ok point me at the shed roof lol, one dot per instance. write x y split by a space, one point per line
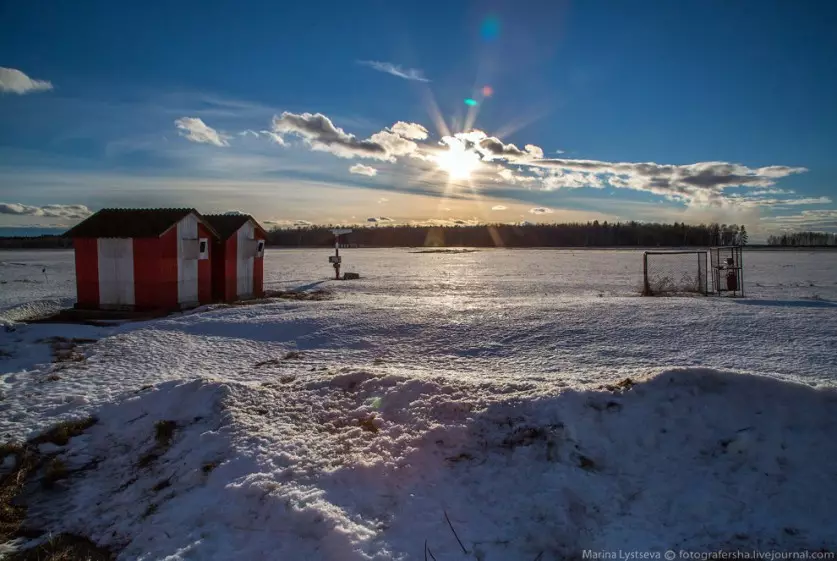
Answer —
132 223
228 224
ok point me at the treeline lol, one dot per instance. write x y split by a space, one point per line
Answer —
36 242
590 234
803 239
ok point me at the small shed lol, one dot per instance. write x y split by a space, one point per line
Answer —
143 259
238 257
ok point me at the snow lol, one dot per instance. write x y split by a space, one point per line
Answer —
474 385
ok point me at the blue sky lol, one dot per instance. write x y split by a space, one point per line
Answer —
332 112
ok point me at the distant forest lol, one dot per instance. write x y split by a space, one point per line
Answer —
590 234
803 239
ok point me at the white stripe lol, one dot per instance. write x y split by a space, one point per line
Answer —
187 269
116 271
244 260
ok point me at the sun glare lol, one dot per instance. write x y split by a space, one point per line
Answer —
457 162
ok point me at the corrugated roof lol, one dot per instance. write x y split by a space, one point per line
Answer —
228 224
131 223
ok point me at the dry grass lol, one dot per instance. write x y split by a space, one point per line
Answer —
61 433
314 295
164 433
65 349
12 514
55 471
28 462
163 437
63 547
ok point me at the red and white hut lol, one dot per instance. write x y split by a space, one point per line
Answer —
238 257
143 259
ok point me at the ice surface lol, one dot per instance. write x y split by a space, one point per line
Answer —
478 384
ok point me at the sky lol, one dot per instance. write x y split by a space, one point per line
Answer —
430 113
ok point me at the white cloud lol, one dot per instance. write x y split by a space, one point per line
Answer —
394 69
51 211
383 200
15 81
195 130
413 131
540 210
274 137
807 220
700 182
361 169
321 134
752 200
280 223
499 207
534 151
394 144
492 160
379 220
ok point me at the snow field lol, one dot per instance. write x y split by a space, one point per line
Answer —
364 465
478 385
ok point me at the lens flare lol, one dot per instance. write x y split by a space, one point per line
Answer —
471 102
490 28
487 91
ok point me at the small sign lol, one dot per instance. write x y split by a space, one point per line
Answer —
335 259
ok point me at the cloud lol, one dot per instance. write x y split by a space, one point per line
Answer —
278 223
499 207
383 200
249 132
320 134
195 130
379 219
557 179
15 81
703 181
274 137
510 177
393 144
752 200
413 131
394 69
75 212
361 169
807 220
534 151
540 210
492 160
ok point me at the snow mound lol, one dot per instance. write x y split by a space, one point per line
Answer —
362 465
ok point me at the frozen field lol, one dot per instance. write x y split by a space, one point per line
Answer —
473 385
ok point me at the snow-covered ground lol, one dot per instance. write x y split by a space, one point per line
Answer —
474 385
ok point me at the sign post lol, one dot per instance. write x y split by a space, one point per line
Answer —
335 259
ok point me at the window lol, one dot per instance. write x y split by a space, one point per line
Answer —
203 249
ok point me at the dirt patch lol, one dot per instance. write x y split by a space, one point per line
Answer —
65 349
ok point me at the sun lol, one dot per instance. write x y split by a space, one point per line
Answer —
457 162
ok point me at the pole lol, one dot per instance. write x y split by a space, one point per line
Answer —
337 254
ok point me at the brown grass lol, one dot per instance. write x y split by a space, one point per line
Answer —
55 471
28 461
63 547
61 433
